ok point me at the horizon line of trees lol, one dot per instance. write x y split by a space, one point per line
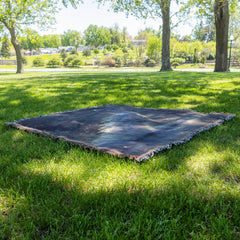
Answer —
17 16
95 36
183 48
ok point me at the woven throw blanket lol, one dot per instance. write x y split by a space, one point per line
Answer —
126 131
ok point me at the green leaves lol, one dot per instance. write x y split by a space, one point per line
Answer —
21 13
97 36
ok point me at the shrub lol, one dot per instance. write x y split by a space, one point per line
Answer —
38 62
76 62
203 59
74 51
118 52
115 46
119 60
54 62
126 59
105 52
150 62
24 60
138 62
131 46
109 48
68 60
175 64
63 54
178 60
96 50
86 52
125 50
109 61
97 62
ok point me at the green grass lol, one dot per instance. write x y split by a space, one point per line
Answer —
53 190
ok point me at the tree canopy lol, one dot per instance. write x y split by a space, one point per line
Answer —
145 9
71 38
97 36
17 15
5 49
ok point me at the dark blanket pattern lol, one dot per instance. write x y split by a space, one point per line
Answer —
123 130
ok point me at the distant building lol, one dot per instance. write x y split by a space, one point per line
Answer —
82 48
33 52
67 48
137 43
48 50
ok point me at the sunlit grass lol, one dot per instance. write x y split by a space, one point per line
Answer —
53 190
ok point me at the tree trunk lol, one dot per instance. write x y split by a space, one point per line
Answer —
165 8
17 48
221 12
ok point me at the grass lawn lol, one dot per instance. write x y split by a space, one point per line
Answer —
53 190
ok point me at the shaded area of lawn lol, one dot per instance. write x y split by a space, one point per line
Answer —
53 190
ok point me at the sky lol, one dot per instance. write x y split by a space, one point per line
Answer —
88 13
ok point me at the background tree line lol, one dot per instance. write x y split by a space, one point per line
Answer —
17 15
195 48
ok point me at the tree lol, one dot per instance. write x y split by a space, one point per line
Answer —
144 9
115 35
124 35
205 32
15 15
51 41
97 36
144 35
72 38
234 26
5 50
165 9
221 10
154 48
31 41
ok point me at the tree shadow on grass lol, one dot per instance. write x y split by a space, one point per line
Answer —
43 206
39 95
106 197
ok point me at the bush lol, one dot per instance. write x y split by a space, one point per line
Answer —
97 62
119 60
115 46
63 54
68 60
105 52
54 62
125 50
96 50
73 61
86 52
126 59
76 62
175 64
130 63
109 48
24 60
118 52
203 59
109 61
150 62
38 62
74 51
138 62
178 60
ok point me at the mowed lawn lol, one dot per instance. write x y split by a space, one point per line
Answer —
52 190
